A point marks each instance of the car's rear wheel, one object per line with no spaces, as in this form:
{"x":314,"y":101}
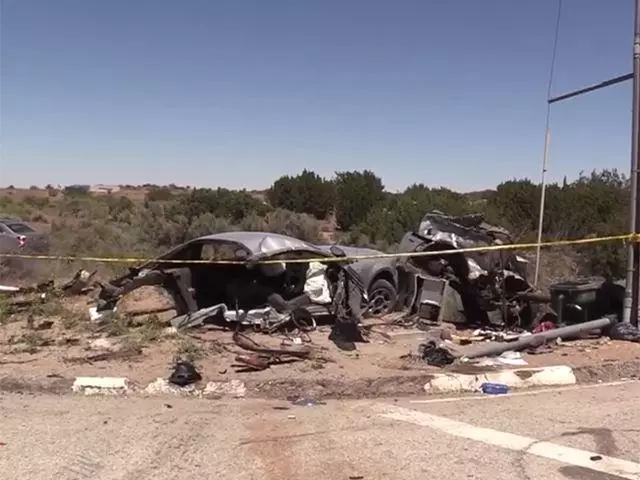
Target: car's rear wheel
{"x":382,"y":298}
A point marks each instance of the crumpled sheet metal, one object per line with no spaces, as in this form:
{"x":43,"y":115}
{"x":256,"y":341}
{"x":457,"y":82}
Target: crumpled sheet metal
{"x":80,"y":283}
{"x":461,"y":232}
{"x":264,"y":317}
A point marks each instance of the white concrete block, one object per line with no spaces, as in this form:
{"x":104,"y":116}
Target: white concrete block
{"x":514,"y":379}
{"x":100,"y":385}
{"x":234,"y":388}
{"x":163,"y":387}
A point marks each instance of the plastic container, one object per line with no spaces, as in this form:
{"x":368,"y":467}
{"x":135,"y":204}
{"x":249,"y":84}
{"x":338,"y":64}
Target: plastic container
{"x":494,"y":388}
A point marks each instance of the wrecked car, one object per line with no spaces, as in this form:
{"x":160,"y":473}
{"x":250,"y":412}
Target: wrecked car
{"x":483,"y":288}
{"x":379,"y":276}
{"x":220,"y":277}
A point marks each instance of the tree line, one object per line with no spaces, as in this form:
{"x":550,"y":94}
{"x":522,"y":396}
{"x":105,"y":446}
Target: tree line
{"x":309,"y":206}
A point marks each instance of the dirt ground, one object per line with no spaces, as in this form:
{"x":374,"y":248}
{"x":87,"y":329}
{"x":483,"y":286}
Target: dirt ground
{"x":57,"y":339}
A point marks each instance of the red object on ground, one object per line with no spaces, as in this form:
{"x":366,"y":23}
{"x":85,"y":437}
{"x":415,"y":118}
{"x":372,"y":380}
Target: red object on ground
{"x":545,"y":327}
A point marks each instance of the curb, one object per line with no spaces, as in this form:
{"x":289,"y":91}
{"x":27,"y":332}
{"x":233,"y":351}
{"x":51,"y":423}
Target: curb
{"x":553,"y":376}
{"x":100,"y":385}
{"x":332,"y":388}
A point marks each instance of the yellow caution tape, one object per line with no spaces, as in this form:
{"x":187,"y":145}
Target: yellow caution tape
{"x":634,"y":237}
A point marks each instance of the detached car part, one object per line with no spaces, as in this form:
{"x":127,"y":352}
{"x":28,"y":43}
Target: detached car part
{"x":482,"y":288}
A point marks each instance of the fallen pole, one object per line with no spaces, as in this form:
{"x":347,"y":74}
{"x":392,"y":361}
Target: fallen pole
{"x":496,"y":348}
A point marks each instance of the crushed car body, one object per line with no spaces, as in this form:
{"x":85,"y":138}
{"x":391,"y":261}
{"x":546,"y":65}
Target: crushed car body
{"x":223,"y":277}
{"x":484,"y":288}
{"x":378,"y":274}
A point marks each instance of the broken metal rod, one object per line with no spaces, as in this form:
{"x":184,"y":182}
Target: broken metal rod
{"x":606,"y":83}
{"x":497,"y":348}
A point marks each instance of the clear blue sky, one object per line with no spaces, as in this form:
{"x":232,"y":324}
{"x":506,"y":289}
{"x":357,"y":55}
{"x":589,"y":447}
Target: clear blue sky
{"x":235,"y":93}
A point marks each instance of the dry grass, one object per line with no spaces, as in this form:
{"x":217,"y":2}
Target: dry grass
{"x":136,"y":195}
{"x":187,"y":350}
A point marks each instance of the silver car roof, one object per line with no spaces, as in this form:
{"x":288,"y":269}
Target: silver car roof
{"x":262,"y":244}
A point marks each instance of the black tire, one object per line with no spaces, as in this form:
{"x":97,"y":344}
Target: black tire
{"x":382,"y":297}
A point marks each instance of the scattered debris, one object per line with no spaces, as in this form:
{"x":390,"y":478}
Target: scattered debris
{"x":497,"y":335}
{"x":103,"y":344}
{"x":510,"y":358}
{"x":305,"y":401}
{"x":435,"y":355}
{"x":345,"y":335}
{"x":263,"y":357}
{"x":329,"y":293}
{"x":8,"y":289}
{"x":544,"y":327}
{"x":80,"y":284}
{"x":184,"y":373}
{"x":127,"y":353}
{"x":98,"y":317}
{"x":170,"y":331}
{"x":44,"y":325}
{"x":253,"y":361}
{"x":624,"y":331}
{"x":494,"y":388}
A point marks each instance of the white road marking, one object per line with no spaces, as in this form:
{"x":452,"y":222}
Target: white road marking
{"x":522,"y":394}
{"x":510,"y":441}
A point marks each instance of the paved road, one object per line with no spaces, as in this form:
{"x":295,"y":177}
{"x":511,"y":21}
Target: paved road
{"x":545,"y":435}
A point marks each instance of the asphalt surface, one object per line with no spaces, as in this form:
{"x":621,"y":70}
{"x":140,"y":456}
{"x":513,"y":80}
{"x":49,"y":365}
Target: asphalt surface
{"x":77,"y":438}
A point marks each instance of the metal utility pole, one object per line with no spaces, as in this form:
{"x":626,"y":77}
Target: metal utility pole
{"x":632,"y":290}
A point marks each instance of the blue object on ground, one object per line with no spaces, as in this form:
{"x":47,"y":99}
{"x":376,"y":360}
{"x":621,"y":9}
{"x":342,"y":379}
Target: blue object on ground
{"x":494,"y":388}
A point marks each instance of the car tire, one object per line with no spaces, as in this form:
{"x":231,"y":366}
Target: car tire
{"x":382,"y":297}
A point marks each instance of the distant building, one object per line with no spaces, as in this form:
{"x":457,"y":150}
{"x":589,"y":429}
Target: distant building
{"x":100,"y":188}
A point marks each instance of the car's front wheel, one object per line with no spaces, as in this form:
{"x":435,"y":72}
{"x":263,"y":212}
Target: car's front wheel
{"x":382,"y":298}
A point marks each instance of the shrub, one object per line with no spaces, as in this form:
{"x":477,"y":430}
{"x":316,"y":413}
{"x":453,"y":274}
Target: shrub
{"x":159,"y":194}
{"x":75,"y":190}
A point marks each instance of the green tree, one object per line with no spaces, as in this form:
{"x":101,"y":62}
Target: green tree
{"x":307,"y":192}
{"x":388,"y":221}
{"x":515,"y":205}
{"x":356,"y":194}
